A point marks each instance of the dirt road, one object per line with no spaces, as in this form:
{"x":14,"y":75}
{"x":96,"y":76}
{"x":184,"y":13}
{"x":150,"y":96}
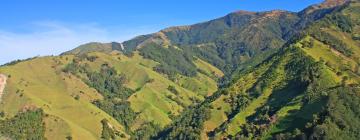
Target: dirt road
{"x":3,"y":79}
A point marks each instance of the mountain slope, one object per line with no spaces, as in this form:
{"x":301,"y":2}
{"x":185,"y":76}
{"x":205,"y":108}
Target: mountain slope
{"x":282,"y":75}
{"x":43,"y":83}
{"x":283,"y":96}
{"x":237,"y":36}
{"x":39,"y":83}
{"x":95,"y":47}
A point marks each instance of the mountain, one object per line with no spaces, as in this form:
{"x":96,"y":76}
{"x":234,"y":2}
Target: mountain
{"x":95,"y":47}
{"x":300,"y":92}
{"x":223,"y":39}
{"x":247,"y":75}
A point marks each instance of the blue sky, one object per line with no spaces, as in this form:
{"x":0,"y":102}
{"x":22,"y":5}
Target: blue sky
{"x":44,"y":27}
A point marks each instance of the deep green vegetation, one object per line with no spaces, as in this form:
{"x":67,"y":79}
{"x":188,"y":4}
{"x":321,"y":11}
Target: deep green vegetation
{"x":340,"y":120}
{"x":147,"y":131}
{"x":188,"y":126}
{"x":325,"y":37}
{"x":26,"y":125}
{"x":172,"y":60}
{"x":287,"y":76}
{"x":173,"y":90}
{"x":107,"y":133}
{"x":109,"y":83}
{"x":230,"y":42}
{"x":120,"y":110}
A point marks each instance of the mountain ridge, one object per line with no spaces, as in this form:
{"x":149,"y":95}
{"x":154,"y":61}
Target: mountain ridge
{"x":269,"y":75}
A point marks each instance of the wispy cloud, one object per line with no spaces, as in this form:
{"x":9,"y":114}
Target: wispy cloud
{"x":53,"y":38}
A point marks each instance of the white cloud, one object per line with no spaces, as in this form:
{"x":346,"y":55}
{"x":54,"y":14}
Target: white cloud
{"x":53,"y":38}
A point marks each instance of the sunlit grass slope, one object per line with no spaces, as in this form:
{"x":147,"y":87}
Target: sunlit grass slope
{"x":152,"y":99}
{"x":40,"y":83}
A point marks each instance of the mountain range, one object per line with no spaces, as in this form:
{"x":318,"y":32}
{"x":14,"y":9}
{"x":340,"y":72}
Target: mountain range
{"x":247,"y":75}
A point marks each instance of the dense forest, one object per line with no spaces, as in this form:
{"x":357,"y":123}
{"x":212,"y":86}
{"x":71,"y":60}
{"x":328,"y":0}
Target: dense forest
{"x":25,"y":125}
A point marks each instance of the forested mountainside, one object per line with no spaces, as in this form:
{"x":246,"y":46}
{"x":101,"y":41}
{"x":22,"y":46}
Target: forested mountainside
{"x":248,"y":75}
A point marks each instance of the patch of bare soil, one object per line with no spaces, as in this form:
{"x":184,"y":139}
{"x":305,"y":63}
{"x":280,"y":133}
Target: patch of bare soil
{"x":3,"y":79}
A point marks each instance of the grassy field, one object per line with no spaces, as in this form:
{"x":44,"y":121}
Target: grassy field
{"x":56,"y":128}
{"x":40,"y":83}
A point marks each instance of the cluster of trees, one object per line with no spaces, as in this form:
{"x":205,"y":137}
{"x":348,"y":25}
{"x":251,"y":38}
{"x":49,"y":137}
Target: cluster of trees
{"x":172,"y":89}
{"x":107,"y":81}
{"x":25,"y":125}
{"x":147,"y":131}
{"x":120,"y":110}
{"x":108,"y":133}
{"x":340,"y":119}
{"x":237,"y":103}
{"x":172,"y":60}
{"x":339,"y":20}
{"x":188,"y":125}
{"x":87,"y":57}
{"x":111,"y":85}
{"x":308,"y":44}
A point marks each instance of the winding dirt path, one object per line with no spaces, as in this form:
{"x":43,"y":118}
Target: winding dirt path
{"x":3,"y":79}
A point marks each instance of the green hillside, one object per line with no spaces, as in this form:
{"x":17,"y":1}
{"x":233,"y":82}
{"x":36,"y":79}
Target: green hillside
{"x":248,"y":75}
{"x":39,"y":83}
{"x":44,"y":83}
{"x":286,"y":96}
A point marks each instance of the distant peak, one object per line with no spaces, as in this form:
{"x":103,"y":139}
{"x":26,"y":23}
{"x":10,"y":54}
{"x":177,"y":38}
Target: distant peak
{"x":244,"y":12}
{"x":332,"y":3}
{"x":274,"y":13}
{"x":324,"y":5}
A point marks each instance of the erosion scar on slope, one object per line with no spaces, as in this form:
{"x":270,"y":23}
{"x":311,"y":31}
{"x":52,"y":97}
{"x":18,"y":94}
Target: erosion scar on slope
{"x":3,"y":79}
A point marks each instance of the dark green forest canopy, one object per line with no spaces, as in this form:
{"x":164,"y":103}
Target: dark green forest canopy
{"x":25,"y":125}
